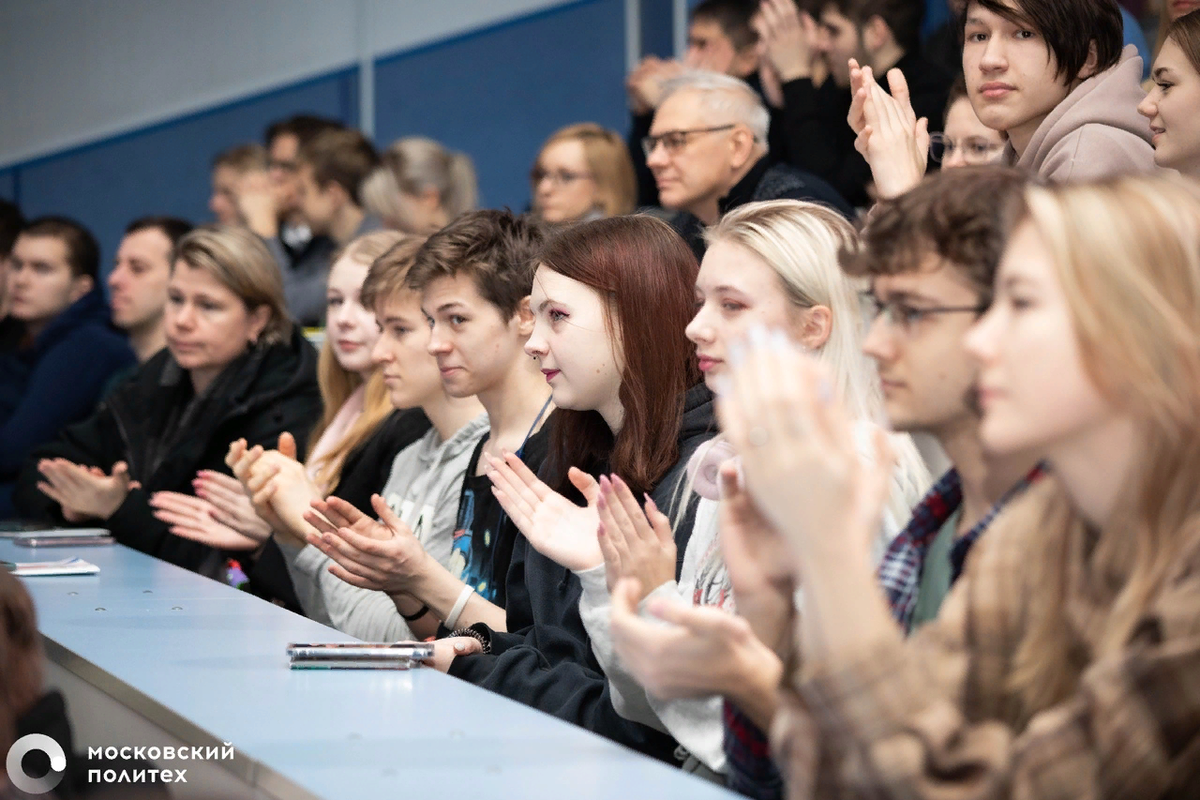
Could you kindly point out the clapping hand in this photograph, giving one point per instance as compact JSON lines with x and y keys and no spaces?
{"x":635,"y":544}
{"x":382,"y":555}
{"x":893,"y":141}
{"x":84,"y":492}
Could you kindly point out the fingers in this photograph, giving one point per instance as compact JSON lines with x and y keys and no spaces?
{"x":526,"y":478}
{"x":923,"y":140}
{"x":236,"y":450}
{"x":389,"y":518}
{"x":585,"y":483}
{"x":612,"y":559}
{"x":342,"y":513}
{"x":316,"y":518}
{"x":898,"y":85}
{"x":625,"y":598}
{"x":287,"y":444}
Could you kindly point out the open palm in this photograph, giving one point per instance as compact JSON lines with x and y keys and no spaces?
{"x":556,"y":527}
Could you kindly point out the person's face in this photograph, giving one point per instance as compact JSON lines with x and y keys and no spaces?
{"x":563,"y":185}
{"x":1177,"y":8}
{"x":223,"y":202}
{"x":1173,"y":108}
{"x":40,"y":283}
{"x":137,"y":284}
{"x":699,"y":170}
{"x":402,"y":352}
{"x":284,"y":172}
{"x":926,"y":376}
{"x":318,"y":204}
{"x":208,"y":326}
{"x":709,"y":48}
{"x":1035,"y":393}
{"x":475,"y":347}
{"x":581,"y":359}
{"x":420,"y":214}
{"x":1012,"y":77}
{"x":839,"y":40}
{"x":351,"y":329}
{"x":735,"y":291}
{"x":974,"y":142}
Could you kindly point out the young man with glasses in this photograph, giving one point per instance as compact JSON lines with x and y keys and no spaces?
{"x":707,"y":149}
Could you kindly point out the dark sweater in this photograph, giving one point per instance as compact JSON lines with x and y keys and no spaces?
{"x":546,"y":661}
{"x":54,"y":382}
{"x":820,"y":139}
{"x":157,"y":426}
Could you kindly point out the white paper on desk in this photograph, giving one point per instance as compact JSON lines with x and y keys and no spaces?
{"x":68,"y":566}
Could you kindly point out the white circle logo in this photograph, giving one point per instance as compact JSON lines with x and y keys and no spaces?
{"x":27,"y":744}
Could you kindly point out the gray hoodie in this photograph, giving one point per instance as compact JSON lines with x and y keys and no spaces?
{"x":423,"y":490}
{"x":1095,"y":132}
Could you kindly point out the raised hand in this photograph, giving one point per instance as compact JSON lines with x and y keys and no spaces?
{"x":700,"y":651}
{"x":788,"y":38}
{"x":635,"y":544}
{"x":195,"y":518}
{"x":894,"y":142}
{"x":556,"y":527}
{"x":381,"y":555}
{"x":84,"y":492}
{"x":278,"y":485}
{"x":645,"y":83}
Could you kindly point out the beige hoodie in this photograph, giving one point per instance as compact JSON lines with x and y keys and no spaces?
{"x":1095,"y":132}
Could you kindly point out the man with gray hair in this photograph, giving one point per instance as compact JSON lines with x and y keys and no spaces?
{"x":707,"y":149}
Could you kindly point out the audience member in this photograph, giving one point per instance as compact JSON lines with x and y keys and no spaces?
{"x":274,"y":213}
{"x":965,"y":141}
{"x":238,"y":172}
{"x":582,"y":172}
{"x":137,"y":285}
{"x":235,"y":366}
{"x":1173,"y":104}
{"x":1072,"y":632}
{"x":1168,"y":12}
{"x":721,"y":38}
{"x":420,"y":186}
{"x":474,"y":277}
{"x":1051,"y":76}
{"x":66,"y":350}
{"x":878,"y":34}
{"x":355,"y":403}
{"x":708,"y":151}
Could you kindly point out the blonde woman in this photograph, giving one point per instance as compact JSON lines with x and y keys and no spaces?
{"x":582,"y":172}
{"x":218,"y":511}
{"x":1063,"y":664}
{"x":235,"y":366}
{"x":775,"y":264}
{"x":420,"y":186}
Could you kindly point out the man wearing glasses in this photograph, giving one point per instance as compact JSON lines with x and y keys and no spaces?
{"x":707,"y":150}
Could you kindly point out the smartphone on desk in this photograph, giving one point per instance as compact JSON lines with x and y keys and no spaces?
{"x":360,"y":651}
{"x":40,"y":540}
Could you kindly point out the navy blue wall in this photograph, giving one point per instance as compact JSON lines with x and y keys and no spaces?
{"x":164,"y":169}
{"x":498,"y":94}
{"x":658,"y":26}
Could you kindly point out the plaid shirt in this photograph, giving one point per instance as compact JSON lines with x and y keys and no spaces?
{"x":934,"y":716}
{"x":900,"y":569}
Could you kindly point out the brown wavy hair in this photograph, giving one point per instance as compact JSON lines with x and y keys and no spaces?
{"x":647,"y":276}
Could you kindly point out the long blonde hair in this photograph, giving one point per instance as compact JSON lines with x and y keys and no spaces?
{"x":1127,"y":254}
{"x":337,"y":383}
{"x":801,"y":242}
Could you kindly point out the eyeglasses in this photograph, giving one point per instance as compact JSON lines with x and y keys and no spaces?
{"x":558,"y":177}
{"x":975,"y":149}
{"x":674,"y":141}
{"x":905,"y":317}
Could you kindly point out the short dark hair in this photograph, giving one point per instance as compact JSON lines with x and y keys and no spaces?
{"x":961,"y":216}
{"x":171,"y":227}
{"x":11,"y":223}
{"x":1069,"y":27}
{"x":903,"y":17}
{"x":344,"y":157}
{"x":497,"y":249}
{"x":305,"y":127}
{"x":732,"y":16}
{"x":83,"y":254}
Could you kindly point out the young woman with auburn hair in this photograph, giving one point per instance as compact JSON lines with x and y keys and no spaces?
{"x":611,"y":299}
{"x":1064,"y":661}
{"x":583,"y":172}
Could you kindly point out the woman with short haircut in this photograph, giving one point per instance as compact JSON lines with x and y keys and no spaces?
{"x":582,"y":172}
{"x":1173,"y":103}
{"x":235,"y":366}
{"x":420,"y":186}
{"x":352,"y":393}
{"x":1064,"y":661}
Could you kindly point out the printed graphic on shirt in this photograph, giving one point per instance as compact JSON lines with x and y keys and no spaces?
{"x":471,"y":554}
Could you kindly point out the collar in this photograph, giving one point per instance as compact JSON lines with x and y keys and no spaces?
{"x":743,"y":191}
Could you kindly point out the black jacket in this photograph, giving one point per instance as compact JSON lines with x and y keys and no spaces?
{"x":820,"y":139}
{"x":546,"y":661}
{"x":267,"y":391}
{"x":366,"y":468}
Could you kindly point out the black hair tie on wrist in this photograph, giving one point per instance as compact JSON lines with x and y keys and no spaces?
{"x":414,"y":617}
{"x":478,"y":636}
